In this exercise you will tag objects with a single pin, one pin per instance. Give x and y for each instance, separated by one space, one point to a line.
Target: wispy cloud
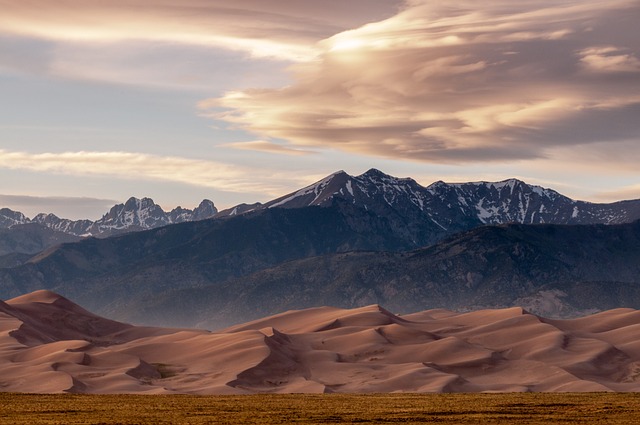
200 45
461 82
609 59
263 28
268 147
627 192
136 166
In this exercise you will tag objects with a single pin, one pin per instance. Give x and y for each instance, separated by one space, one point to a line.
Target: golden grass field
515 408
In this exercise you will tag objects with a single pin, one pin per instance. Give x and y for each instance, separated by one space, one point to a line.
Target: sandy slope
49 344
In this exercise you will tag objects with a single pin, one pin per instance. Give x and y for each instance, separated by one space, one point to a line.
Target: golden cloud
130 165
268 147
282 29
457 82
609 59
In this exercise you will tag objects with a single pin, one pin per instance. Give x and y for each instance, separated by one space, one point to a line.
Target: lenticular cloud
456 82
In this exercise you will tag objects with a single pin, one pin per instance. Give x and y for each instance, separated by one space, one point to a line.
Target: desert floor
511 408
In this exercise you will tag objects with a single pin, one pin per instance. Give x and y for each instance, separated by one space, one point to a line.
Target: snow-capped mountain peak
454 206
315 194
424 214
9 218
135 214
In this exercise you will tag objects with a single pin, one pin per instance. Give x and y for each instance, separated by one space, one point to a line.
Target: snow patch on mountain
134 215
455 204
436 210
9 218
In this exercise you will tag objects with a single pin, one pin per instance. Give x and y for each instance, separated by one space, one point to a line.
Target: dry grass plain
513 408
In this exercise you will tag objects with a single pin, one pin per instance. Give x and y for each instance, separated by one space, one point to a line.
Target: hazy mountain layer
30 239
559 271
107 273
219 272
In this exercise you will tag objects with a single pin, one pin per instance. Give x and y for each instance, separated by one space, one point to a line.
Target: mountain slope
441 209
553 270
105 273
31 238
228 270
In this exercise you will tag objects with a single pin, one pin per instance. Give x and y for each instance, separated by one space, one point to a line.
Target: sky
248 100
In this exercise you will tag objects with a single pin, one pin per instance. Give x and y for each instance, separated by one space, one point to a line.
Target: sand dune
48 344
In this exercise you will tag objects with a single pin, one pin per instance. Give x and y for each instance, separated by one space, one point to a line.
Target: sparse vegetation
526 408
164 370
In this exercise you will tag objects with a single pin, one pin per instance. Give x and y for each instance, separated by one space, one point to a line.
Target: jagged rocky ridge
134 215
428 214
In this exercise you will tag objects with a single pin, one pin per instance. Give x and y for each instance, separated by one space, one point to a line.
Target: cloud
620 158
203 45
609 59
159 65
283 29
460 82
268 147
627 192
136 166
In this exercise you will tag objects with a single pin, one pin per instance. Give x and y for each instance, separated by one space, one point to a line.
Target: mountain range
421 215
20 234
352 241
450 207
